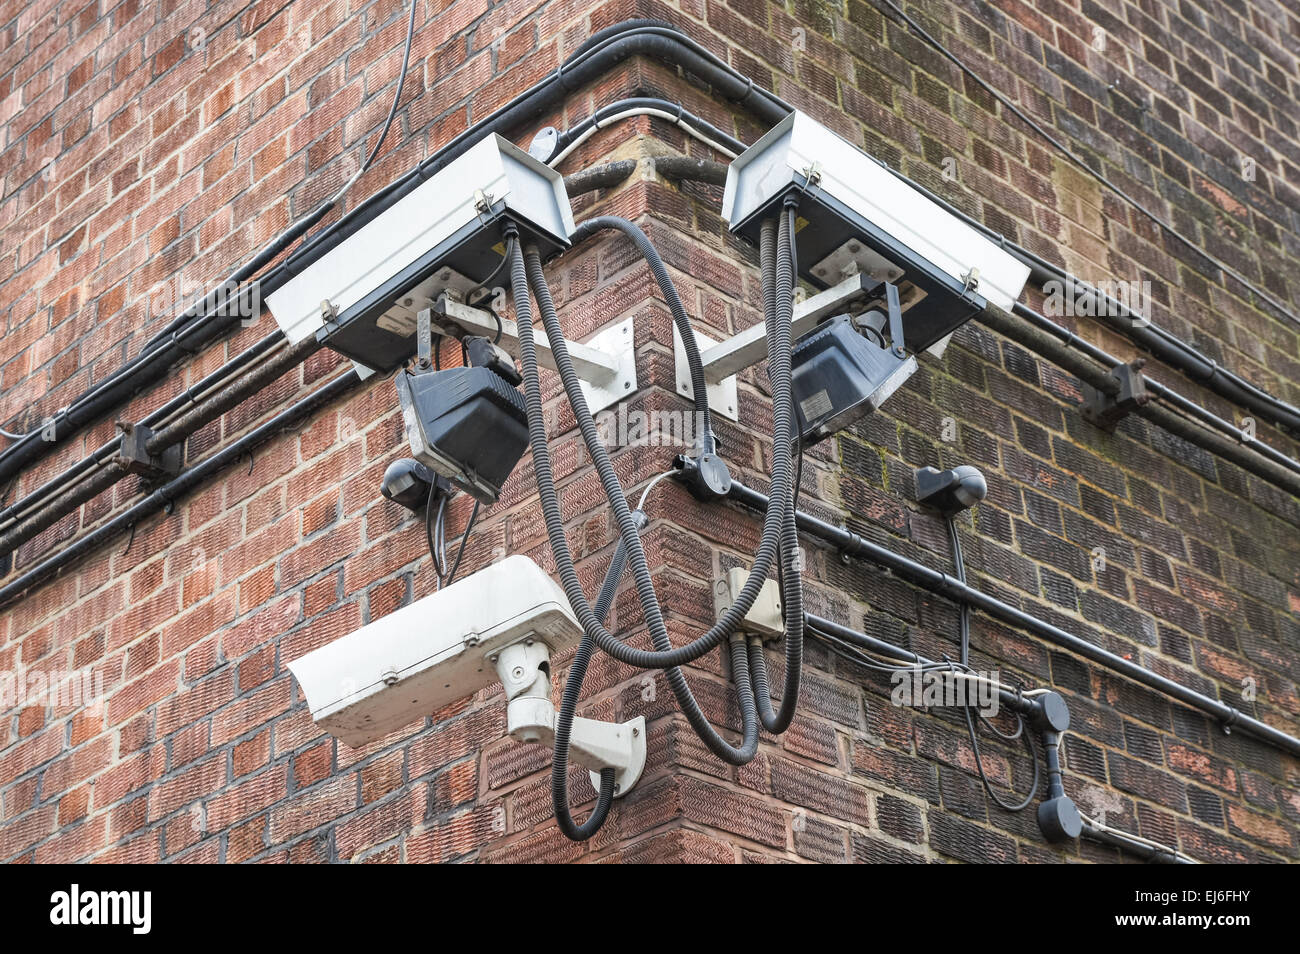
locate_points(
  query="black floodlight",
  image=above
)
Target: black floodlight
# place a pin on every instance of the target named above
(468, 424)
(845, 369)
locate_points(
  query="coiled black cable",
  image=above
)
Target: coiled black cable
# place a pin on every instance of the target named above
(730, 621)
(600, 456)
(963, 610)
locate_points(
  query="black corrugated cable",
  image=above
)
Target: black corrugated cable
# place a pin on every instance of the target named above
(779, 270)
(730, 620)
(569, 708)
(532, 271)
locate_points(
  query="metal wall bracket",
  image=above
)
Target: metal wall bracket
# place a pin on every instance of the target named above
(606, 365)
(1106, 411)
(723, 394)
(726, 358)
(604, 389)
(134, 457)
(524, 670)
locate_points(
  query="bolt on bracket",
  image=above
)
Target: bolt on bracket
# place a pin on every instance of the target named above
(1105, 410)
(134, 457)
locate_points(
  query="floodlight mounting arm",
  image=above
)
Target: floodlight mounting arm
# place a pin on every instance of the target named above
(607, 365)
(525, 671)
(749, 347)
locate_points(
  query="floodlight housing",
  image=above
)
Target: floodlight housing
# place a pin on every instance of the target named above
(412, 662)
(839, 376)
(854, 215)
(361, 298)
(468, 424)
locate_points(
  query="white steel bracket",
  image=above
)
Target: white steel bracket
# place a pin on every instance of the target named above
(606, 365)
(524, 669)
(740, 351)
(722, 391)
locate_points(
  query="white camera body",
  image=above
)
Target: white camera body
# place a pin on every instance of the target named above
(855, 217)
(501, 623)
(417, 659)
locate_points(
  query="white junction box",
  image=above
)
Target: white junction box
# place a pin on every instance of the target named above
(363, 295)
(438, 649)
(855, 216)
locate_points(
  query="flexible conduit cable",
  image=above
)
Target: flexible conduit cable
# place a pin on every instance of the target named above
(534, 277)
(778, 273)
(643, 659)
(569, 708)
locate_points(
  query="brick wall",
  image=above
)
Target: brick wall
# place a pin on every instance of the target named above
(149, 149)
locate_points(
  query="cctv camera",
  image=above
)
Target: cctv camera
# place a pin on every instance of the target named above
(414, 661)
(501, 623)
(857, 217)
(952, 490)
(362, 297)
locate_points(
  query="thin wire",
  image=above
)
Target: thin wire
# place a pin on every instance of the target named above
(392, 110)
(463, 540)
(650, 486)
(1077, 160)
(435, 551)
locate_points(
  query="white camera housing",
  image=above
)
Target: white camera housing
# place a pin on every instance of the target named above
(855, 216)
(362, 297)
(501, 623)
(417, 659)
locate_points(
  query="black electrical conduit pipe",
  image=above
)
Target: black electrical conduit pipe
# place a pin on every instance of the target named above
(1188, 407)
(1047, 712)
(1050, 345)
(937, 582)
(598, 54)
(171, 434)
(526, 271)
(1155, 340)
(164, 496)
(108, 450)
(200, 324)
(73, 486)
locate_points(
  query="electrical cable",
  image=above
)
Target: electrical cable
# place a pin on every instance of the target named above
(527, 271)
(568, 711)
(777, 264)
(460, 552)
(917, 573)
(432, 519)
(392, 111)
(597, 124)
(1122, 835)
(732, 618)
